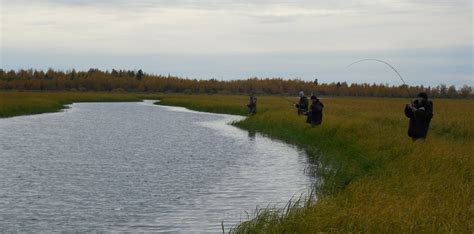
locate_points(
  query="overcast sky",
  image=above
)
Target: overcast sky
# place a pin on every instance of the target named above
(428, 41)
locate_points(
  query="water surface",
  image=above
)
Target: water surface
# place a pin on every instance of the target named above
(139, 167)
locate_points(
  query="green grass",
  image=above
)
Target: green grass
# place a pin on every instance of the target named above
(379, 180)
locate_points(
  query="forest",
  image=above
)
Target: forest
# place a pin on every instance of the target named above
(139, 81)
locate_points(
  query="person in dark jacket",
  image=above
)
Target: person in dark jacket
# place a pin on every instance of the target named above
(315, 113)
(303, 104)
(252, 106)
(420, 113)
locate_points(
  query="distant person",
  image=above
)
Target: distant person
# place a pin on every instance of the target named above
(420, 113)
(252, 106)
(303, 104)
(315, 114)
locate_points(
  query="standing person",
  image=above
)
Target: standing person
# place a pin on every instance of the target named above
(315, 114)
(420, 113)
(252, 106)
(302, 105)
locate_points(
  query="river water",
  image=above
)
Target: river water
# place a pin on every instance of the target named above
(139, 167)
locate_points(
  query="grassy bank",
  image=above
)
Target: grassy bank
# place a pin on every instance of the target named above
(26, 103)
(380, 181)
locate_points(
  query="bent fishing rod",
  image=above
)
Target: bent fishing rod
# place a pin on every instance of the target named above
(389, 65)
(393, 68)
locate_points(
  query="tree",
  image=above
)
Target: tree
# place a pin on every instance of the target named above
(443, 90)
(114, 73)
(465, 91)
(452, 92)
(139, 75)
(73, 74)
(97, 80)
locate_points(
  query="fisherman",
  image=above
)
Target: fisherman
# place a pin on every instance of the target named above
(420, 112)
(252, 106)
(315, 114)
(302, 105)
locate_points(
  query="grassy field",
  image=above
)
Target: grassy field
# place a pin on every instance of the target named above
(379, 181)
(375, 178)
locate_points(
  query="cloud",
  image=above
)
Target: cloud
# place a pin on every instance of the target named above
(207, 4)
(284, 13)
(224, 27)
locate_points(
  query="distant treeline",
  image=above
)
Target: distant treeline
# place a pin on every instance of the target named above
(138, 81)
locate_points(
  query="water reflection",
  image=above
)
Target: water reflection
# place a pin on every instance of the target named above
(252, 135)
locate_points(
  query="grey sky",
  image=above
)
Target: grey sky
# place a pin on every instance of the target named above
(429, 41)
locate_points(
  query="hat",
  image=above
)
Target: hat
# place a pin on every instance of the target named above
(423, 95)
(301, 93)
(313, 97)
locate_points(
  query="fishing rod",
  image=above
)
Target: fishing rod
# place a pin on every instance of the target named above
(292, 102)
(393, 68)
(389, 65)
(287, 100)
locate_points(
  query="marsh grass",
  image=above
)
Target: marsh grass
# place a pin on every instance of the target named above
(374, 178)
(261, 217)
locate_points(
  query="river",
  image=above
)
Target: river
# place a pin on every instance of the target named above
(139, 167)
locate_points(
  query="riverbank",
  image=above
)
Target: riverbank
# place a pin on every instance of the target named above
(27, 103)
(379, 180)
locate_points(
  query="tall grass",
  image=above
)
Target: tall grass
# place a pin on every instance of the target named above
(379, 181)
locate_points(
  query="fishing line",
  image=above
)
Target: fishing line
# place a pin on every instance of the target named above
(389, 65)
(294, 103)
(287, 100)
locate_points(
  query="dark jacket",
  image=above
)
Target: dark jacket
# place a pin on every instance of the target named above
(315, 114)
(420, 119)
(252, 106)
(302, 105)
